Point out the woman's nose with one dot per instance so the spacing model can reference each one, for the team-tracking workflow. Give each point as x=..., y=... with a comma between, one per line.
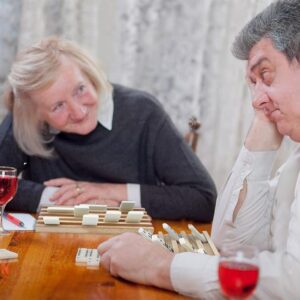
x=77, y=111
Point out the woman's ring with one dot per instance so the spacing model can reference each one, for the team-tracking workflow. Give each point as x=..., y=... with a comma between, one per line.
x=79, y=189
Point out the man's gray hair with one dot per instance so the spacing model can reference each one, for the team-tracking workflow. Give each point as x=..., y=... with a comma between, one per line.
x=280, y=22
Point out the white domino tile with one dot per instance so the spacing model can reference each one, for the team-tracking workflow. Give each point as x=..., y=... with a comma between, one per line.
x=112, y=216
x=82, y=255
x=6, y=254
x=186, y=245
x=80, y=210
x=145, y=233
x=88, y=257
x=60, y=209
x=160, y=241
x=51, y=220
x=93, y=260
x=134, y=216
x=126, y=206
x=90, y=219
x=99, y=207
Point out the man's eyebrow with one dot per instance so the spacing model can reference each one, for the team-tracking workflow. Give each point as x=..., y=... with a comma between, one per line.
x=261, y=60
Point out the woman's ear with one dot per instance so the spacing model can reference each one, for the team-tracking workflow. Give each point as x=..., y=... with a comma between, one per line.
x=53, y=131
x=48, y=131
x=9, y=97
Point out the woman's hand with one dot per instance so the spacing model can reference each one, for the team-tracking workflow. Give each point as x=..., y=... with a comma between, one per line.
x=72, y=192
x=132, y=257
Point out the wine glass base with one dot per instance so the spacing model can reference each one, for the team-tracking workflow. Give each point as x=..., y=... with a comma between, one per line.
x=4, y=232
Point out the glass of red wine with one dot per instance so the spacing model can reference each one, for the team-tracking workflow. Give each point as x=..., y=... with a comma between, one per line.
x=238, y=271
x=8, y=188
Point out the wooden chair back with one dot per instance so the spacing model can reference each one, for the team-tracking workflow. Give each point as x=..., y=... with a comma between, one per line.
x=192, y=136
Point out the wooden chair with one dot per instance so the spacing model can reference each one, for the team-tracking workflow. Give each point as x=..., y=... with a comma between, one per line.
x=192, y=136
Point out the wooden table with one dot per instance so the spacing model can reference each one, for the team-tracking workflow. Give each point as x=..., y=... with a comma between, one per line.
x=46, y=269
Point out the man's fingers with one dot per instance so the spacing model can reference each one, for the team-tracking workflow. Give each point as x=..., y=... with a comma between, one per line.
x=106, y=245
x=105, y=261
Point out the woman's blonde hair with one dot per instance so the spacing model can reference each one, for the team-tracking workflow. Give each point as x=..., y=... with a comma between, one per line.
x=35, y=68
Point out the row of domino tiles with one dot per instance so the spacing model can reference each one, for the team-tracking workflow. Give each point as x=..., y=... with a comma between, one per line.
x=81, y=209
x=93, y=219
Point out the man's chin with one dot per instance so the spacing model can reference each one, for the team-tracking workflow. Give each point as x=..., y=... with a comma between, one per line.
x=290, y=133
x=282, y=129
x=294, y=137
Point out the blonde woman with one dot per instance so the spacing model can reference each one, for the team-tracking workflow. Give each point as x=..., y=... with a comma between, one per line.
x=78, y=139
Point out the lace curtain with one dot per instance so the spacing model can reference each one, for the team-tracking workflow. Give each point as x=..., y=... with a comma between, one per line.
x=177, y=50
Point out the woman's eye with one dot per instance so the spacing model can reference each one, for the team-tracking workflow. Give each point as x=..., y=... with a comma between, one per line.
x=58, y=106
x=81, y=88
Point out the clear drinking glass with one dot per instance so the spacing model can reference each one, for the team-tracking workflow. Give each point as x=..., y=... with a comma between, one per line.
x=238, y=271
x=8, y=188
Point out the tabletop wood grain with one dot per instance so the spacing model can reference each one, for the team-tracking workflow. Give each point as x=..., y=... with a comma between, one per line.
x=46, y=269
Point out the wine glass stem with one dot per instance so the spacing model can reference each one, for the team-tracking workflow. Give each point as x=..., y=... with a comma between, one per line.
x=1, y=218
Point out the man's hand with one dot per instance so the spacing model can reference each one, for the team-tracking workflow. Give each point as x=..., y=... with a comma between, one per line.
x=132, y=257
x=73, y=192
x=263, y=134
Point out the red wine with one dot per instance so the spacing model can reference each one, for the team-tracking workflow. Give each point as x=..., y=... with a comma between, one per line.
x=8, y=188
x=238, y=279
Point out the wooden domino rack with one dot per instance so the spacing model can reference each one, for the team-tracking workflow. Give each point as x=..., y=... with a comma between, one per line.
x=208, y=246
x=71, y=224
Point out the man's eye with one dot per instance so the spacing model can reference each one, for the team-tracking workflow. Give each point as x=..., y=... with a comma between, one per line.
x=251, y=81
x=266, y=77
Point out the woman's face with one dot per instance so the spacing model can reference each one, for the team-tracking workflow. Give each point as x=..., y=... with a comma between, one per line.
x=70, y=103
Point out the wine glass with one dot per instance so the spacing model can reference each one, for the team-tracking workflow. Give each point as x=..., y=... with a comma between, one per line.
x=238, y=271
x=8, y=188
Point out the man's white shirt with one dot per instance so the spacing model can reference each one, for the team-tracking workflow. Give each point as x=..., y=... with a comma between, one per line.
x=269, y=218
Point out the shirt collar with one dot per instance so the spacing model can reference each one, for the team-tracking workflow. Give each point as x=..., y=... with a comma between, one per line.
x=106, y=110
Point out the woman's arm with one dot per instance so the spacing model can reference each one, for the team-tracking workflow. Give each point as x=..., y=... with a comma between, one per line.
x=184, y=188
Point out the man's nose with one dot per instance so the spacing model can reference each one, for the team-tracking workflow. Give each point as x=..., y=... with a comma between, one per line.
x=260, y=100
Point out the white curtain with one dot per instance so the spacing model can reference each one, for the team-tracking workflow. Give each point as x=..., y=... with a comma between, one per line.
x=177, y=50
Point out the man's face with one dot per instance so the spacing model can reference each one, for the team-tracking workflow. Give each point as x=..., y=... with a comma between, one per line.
x=275, y=83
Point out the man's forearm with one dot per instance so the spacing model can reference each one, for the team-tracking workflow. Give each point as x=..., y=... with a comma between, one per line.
x=263, y=136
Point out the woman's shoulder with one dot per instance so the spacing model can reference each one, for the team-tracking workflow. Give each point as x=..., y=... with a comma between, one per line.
x=6, y=124
x=6, y=128
x=136, y=98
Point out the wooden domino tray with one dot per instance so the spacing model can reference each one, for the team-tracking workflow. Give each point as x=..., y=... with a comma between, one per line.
x=71, y=224
x=208, y=246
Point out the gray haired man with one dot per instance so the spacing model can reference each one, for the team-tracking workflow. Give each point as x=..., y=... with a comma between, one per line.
x=254, y=208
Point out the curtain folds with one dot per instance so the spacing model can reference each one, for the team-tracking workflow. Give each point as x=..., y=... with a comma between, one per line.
x=177, y=50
